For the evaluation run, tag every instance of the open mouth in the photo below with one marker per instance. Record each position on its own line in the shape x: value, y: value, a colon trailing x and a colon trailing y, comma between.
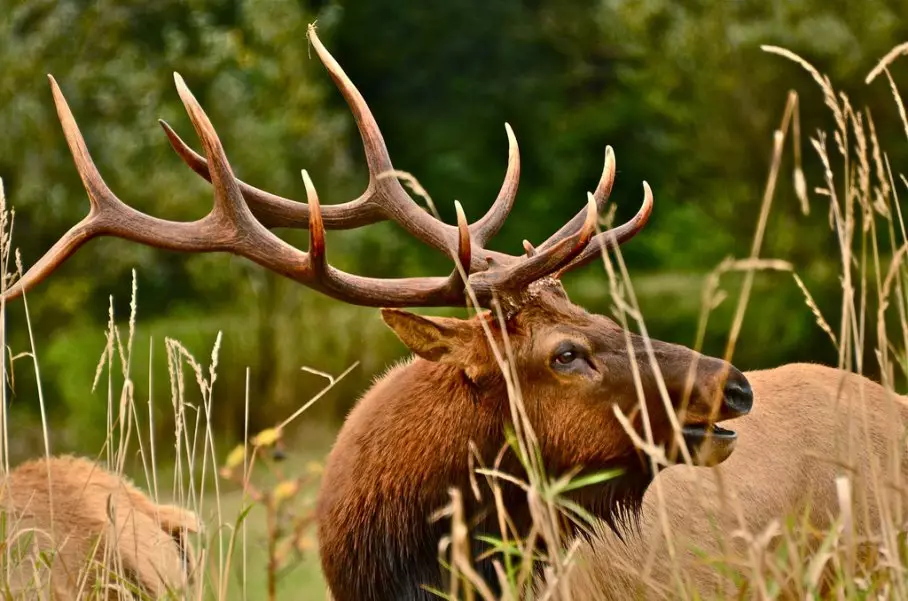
x: 709, y: 444
x: 697, y: 433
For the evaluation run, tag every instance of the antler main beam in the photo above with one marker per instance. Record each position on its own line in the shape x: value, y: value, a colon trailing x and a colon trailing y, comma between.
x: 242, y: 215
x: 229, y: 227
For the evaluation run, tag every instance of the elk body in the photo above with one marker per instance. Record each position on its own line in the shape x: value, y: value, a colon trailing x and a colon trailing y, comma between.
x: 95, y: 530
x: 810, y: 424
x: 406, y: 443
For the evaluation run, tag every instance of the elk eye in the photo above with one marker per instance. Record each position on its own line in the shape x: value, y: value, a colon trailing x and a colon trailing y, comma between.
x: 567, y: 357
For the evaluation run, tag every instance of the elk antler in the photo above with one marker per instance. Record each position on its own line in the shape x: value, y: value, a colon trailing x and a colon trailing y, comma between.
x: 242, y: 215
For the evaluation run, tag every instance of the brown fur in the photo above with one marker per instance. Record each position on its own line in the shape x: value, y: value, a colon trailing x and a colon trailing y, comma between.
x: 103, y: 529
x: 788, y: 453
x: 406, y: 442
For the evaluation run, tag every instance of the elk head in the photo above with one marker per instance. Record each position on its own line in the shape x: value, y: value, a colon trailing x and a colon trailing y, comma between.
x: 405, y: 443
x: 575, y: 369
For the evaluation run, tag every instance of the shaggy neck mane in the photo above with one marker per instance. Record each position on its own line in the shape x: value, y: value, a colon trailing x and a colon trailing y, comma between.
x: 405, y: 445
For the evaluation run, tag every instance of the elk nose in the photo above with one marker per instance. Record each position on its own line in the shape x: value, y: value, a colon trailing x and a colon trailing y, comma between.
x: 739, y: 396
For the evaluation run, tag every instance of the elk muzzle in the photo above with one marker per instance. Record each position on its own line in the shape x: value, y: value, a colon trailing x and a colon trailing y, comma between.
x: 703, y: 392
x: 721, y: 393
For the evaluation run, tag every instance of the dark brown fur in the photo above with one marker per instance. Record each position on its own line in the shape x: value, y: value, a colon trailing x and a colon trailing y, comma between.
x: 406, y: 442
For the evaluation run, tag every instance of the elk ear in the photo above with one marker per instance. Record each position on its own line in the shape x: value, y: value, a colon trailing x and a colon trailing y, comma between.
x: 442, y: 339
x: 173, y: 519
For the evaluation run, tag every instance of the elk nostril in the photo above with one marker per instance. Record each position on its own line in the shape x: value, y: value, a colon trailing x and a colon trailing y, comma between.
x: 739, y: 396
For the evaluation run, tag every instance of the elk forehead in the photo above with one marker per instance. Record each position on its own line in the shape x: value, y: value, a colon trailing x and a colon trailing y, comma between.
x: 546, y: 302
x: 550, y: 307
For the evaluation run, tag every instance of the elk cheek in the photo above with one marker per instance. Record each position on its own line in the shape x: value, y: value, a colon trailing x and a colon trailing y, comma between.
x: 576, y: 434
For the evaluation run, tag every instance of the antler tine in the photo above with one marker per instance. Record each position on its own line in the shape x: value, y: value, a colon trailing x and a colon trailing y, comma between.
x: 377, y: 157
x: 601, y: 195
x: 99, y: 195
x: 227, y: 198
x: 99, y: 198
x: 490, y: 223
x: 464, y: 250
x: 272, y: 210
x: 316, y: 227
x: 543, y: 263
x: 615, y: 236
x: 108, y: 216
x: 387, y: 191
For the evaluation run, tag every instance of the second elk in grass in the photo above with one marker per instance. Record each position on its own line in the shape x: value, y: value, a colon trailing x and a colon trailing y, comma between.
x: 74, y: 530
x: 407, y: 442
x: 722, y: 532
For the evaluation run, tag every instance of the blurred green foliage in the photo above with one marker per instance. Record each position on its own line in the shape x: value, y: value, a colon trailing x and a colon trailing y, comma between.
x: 681, y: 90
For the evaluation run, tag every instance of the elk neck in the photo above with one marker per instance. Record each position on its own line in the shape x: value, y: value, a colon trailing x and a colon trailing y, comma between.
x: 402, y: 448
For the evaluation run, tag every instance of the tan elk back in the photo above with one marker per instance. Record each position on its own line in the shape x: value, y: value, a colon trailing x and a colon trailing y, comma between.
x: 810, y: 425
x: 78, y: 531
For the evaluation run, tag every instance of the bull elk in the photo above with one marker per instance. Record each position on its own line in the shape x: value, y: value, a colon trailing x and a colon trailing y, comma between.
x: 405, y: 443
x: 79, y: 528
